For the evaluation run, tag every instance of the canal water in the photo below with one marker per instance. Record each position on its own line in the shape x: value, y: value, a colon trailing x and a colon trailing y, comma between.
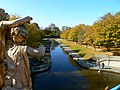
x: 65, y: 74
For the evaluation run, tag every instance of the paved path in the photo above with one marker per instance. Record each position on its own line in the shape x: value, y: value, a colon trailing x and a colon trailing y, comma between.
x: 92, y: 66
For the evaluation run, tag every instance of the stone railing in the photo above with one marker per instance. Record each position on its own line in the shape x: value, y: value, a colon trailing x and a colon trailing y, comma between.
x: 113, y: 61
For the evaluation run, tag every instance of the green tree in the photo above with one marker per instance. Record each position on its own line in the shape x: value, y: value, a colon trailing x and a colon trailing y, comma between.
x: 117, y: 14
x: 52, y: 31
x: 35, y: 34
x: 13, y: 17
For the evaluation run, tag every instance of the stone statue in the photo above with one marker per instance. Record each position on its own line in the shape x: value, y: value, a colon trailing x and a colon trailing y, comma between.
x: 18, y: 74
x: 5, y: 27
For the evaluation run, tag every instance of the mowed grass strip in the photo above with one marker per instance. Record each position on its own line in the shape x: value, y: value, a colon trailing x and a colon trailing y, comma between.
x: 81, y: 50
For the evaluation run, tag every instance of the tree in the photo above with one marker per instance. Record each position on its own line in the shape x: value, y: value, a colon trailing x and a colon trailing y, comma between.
x: 52, y: 31
x: 35, y: 34
x: 13, y: 17
x: 117, y: 14
x: 65, y: 34
x: 73, y: 35
x: 65, y: 28
x: 89, y: 35
x: 107, y: 29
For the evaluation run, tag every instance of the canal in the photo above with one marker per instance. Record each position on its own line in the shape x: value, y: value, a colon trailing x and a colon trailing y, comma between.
x: 65, y: 74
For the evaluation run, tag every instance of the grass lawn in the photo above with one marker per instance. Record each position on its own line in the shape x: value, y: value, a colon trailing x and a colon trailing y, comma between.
x: 81, y: 50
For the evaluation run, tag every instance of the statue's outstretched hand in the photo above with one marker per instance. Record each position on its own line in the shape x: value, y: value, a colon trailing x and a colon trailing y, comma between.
x: 39, y: 52
x: 42, y: 47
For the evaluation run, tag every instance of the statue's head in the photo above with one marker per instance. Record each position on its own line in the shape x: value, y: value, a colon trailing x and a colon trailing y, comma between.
x: 3, y: 15
x: 19, y: 34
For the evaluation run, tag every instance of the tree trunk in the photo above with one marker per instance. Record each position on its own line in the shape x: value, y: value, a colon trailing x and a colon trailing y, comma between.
x: 108, y: 48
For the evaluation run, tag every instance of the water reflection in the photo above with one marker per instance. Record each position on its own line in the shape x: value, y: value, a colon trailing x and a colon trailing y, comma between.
x: 53, y: 44
x: 65, y: 74
x: 61, y: 62
x: 98, y: 81
x: 61, y: 81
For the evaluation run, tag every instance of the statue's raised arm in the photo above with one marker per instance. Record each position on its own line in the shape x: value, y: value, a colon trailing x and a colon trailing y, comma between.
x: 16, y: 22
x: 5, y: 26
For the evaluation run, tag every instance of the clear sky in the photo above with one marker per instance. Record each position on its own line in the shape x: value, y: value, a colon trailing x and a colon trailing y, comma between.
x: 61, y: 12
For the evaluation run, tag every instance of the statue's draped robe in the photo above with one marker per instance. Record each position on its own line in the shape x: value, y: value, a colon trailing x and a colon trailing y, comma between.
x: 18, y: 69
x: 2, y: 52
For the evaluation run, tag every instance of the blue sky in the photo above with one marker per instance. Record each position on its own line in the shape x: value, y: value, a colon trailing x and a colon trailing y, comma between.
x: 61, y: 12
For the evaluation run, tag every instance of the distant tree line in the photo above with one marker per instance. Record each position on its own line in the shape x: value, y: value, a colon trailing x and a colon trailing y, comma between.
x: 52, y: 31
x: 104, y: 32
x: 36, y: 34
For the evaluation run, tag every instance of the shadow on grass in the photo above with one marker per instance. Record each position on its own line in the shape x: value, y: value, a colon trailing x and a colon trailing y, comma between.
x: 77, y: 50
x: 82, y: 54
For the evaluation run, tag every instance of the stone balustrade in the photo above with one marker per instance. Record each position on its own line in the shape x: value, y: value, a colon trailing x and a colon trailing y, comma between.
x: 113, y: 61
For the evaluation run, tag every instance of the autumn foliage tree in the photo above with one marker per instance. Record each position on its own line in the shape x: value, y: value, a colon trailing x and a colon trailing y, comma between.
x: 104, y: 32
x: 65, y: 34
x: 107, y: 29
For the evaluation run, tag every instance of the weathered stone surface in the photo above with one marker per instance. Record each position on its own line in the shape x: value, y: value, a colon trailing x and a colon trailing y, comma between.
x: 45, y: 64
